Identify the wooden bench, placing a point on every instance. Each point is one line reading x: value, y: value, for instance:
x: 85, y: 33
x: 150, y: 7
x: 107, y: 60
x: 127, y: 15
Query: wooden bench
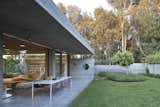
x: 51, y: 83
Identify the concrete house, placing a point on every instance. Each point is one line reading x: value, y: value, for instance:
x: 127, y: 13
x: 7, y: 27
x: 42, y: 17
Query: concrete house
x: 38, y: 27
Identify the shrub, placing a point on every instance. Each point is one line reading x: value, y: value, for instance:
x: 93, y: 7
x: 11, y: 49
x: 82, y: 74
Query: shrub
x: 11, y: 64
x: 153, y: 59
x: 102, y: 74
x: 152, y: 75
x: 123, y: 58
x: 122, y: 77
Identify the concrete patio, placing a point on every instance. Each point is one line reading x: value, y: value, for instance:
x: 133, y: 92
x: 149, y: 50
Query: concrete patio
x: 61, y: 97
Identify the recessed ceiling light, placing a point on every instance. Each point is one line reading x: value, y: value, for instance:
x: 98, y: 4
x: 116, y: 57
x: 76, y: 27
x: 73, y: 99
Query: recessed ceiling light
x: 4, y: 46
x: 22, y: 45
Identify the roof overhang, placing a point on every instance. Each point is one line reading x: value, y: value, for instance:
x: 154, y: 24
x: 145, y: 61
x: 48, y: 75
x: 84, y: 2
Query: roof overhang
x: 40, y: 21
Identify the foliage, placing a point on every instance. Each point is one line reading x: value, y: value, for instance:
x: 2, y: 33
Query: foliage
x: 121, y: 77
x: 106, y: 35
x: 62, y: 8
x: 153, y: 59
x: 102, y: 31
x: 102, y: 74
x: 145, y: 27
x: 118, y: 4
x: 152, y: 75
x: 124, y: 77
x: 11, y: 64
x: 123, y: 58
x: 74, y: 14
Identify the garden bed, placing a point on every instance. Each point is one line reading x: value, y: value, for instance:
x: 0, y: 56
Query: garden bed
x: 121, y: 77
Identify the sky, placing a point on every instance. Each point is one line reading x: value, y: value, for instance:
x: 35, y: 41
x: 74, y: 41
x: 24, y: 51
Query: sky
x: 86, y: 5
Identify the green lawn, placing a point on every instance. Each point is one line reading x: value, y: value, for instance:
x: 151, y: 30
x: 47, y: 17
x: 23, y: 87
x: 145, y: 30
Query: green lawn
x: 106, y: 93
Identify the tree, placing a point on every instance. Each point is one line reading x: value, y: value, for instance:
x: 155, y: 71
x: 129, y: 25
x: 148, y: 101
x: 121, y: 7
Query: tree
x: 122, y: 10
x: 118, y: 4
x: 146, y: 25
x: 81, y: 21
x: 143, y: 26
x: 102, y: 31
x: 74, y: 14
x: 106, y: 33
x: 62, y: 8
x: 85, y: 26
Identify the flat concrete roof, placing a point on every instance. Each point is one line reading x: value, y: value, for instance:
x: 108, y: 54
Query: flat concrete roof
x: 40, y: 21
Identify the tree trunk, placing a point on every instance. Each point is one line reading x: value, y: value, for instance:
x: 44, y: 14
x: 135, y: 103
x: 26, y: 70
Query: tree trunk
x: 140, y: 47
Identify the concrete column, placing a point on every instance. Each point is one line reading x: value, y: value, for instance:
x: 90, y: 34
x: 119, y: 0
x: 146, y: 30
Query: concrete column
x: 1, y: 68
x: 60, y: 64
x: 65, y: 66
x: 52, y: 63
x: 68, y: 65
x: 47, y: 63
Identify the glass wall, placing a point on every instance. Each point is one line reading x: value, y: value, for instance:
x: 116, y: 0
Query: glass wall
x: 57, y: 57
x: 23, y: 62
x: 61, y: 64
x: 64, y: 64
x: 22, y: 57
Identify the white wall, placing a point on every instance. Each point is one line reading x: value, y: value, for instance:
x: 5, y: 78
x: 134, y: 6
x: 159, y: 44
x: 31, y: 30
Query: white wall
x: 154, y: 68
x: 134, y: 68
x: 78, y: 71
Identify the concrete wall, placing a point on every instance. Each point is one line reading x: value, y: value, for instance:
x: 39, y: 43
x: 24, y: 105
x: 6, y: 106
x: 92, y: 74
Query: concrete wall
x: 154, y: 68
x: 78, y: 71
x: 134, y: 68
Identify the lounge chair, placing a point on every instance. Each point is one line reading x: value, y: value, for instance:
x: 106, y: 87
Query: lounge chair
x: 32, y: 76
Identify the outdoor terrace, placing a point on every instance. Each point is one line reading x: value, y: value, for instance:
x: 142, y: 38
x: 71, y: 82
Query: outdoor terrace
x: 61, y: 97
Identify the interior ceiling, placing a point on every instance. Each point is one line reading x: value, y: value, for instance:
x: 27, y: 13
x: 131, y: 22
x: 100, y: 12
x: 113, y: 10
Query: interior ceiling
x: 15, y: 45
x: 26, y: 19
